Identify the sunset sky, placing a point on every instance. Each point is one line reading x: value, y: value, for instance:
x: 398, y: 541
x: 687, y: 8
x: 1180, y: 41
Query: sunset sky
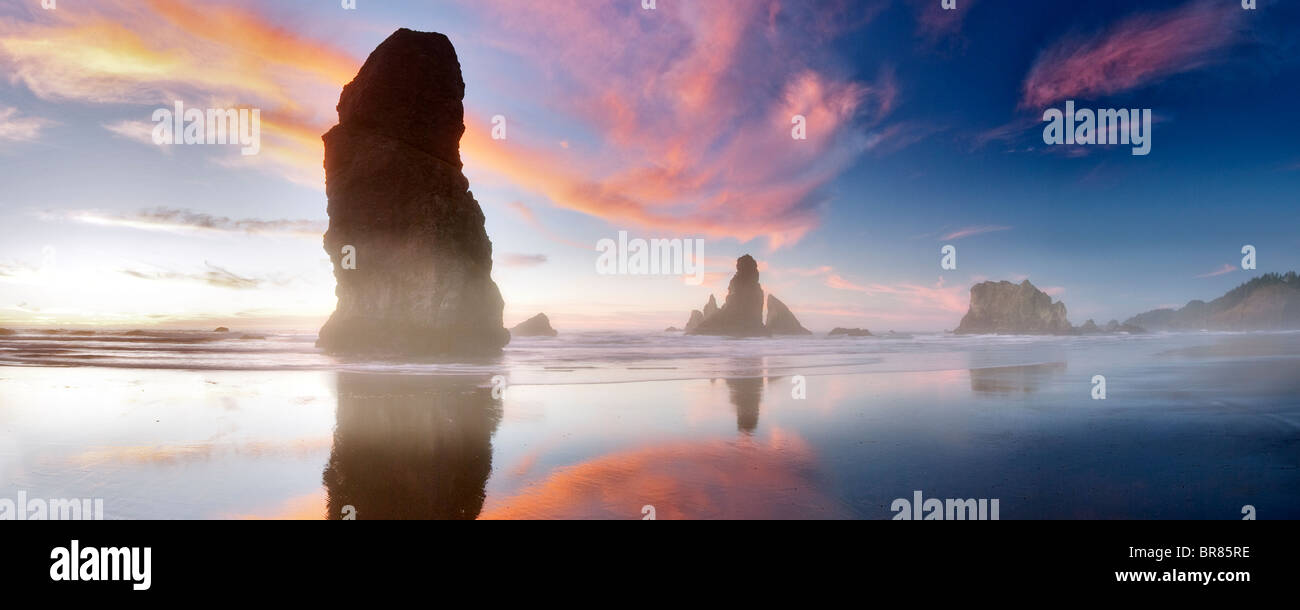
x: 924, y: 129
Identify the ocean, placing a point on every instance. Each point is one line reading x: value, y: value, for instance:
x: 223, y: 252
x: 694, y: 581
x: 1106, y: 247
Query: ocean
x: 616, y: 425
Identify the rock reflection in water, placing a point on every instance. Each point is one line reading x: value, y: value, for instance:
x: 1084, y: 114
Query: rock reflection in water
x: 411, y: 447
x: 746, y: 395
x: 1005, y: 380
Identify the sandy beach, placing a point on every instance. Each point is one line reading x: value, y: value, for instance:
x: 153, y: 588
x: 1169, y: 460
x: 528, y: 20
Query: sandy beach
x: 1193, y: 426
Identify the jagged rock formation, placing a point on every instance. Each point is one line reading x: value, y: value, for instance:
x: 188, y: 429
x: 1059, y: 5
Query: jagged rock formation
x: 781, y: 321
x: 849, y: 332
x: 711, y: 307
x: 696, y: 317
x: 1006, y: 308
x: 422, y: 280
x: 536, y: 326
x: 741, y: 314
x: 1089, y: 328
x: 1268, y: 302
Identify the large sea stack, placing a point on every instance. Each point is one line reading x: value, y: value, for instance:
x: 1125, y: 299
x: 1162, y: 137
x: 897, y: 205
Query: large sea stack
x: 422, y: 281
x: 741, y: 314
x: 1006, y: 308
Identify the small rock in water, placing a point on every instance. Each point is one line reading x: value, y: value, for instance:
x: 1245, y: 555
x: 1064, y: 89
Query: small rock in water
x: 536, y: 326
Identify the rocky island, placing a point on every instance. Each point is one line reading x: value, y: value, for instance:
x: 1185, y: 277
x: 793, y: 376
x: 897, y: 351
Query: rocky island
x: 401, y: 214
x: 536, y: 326
x: 741, y: 314
x: 1006, y: 308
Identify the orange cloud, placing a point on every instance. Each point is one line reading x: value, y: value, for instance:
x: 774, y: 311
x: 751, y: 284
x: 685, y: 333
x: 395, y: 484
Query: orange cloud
x: 160, y: 51
x: 741, y: 479
x: 685, y: 143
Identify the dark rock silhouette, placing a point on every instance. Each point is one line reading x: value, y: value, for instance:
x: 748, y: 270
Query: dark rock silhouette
x: 221, y: 329
x: 410, y: 447
x: 849, y: 332
x: 698, y: 316
x: 1006, y: 308
x: 1268, y: 302
x: 5, y: 332
x: 536, y: 326
x: 781, y: 321
x: 1089, y: 328
x: 747, y: 396
x: 672, y: 329
x: 741, y: 314
x: 422, y: 280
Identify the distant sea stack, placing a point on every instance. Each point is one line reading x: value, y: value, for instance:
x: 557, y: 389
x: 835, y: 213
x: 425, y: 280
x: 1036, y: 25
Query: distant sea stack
x: 741, y: 315
x: 1268, y: 302
x: 1006, y: 308
x: 536, y: 326
x: 418, y: 279
x: 781, y: 321
x: 849, y: 332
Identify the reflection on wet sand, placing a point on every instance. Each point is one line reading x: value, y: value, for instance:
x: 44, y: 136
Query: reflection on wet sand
x: 743, y: 478
x: 746, y: 394
x: 1005, y: 380
x: 411, y: 447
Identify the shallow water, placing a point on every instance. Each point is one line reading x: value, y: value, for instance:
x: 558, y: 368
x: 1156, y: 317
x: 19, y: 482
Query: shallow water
x: 602, y: 425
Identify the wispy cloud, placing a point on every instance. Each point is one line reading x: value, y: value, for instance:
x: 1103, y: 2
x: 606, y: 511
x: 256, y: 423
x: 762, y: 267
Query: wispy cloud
x: 140, y: 132
x: 188, y: 221
x: 1223, y: 269
x: 213, y: 276
x: 670, y: 150
x: 521, y: 260
x: 934, y: 22
x: 1136, y: 51
x: 975, y: 230
x: 154, y: 52
x: 16, y: 128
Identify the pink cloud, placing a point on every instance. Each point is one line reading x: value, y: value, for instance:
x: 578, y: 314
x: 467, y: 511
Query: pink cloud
x: 933, y: 21
x: 1225, y: 268
x: 976, y: 230
x: 1138, y: 50
x: 683, y: 141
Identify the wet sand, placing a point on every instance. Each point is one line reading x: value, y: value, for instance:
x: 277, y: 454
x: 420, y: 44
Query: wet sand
x: 1186, y: 431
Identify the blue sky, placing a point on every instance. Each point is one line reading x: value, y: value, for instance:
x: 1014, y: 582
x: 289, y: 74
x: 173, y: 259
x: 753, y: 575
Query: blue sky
x: 924, y: 129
